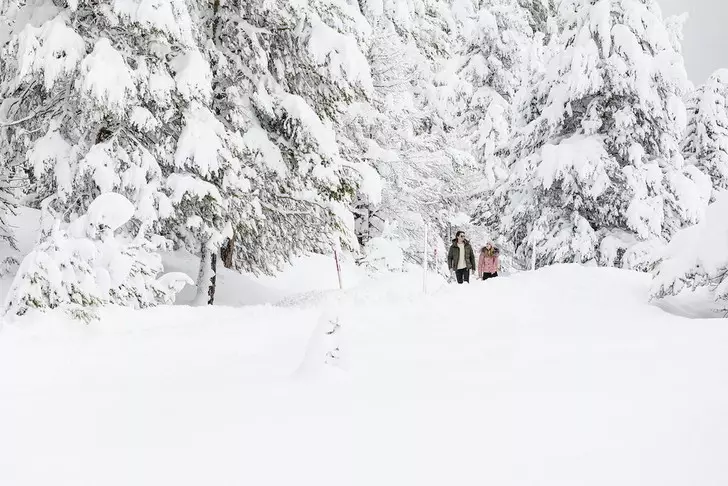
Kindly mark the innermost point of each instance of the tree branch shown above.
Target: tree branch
(4, 123)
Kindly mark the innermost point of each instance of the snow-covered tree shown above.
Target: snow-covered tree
(497, 49)
(697, 257)
(216, 119)
(706, 142)
(84, 265)
(539, 12)
(596, 170)
(116, 98)
(408, 131)
(284, 74)
(8, 248)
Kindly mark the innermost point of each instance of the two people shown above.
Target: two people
(461, 259)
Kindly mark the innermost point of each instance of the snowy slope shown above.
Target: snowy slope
(177, 396)
(569, 378)
(564, 376)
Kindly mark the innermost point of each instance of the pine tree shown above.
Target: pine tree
(115, 99)
(596, 172)
(706, 142)
(8, 206)
(697, 258)
(284, 75)
(497, 43)
(539, 13)
(217, 120)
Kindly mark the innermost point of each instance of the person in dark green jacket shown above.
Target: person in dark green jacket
(460, 258)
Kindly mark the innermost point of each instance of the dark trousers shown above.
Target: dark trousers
(463, 275)
(487, 275)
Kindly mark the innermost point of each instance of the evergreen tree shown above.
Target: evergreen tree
(596, 171)
(8, 206)
(497, 44)
(697, 258)
(115, 98)
(217, 120)
(706, 142)
(539, 12)
(284, 75)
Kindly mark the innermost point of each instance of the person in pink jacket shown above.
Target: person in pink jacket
(488, 263)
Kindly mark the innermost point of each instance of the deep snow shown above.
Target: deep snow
(561, 376)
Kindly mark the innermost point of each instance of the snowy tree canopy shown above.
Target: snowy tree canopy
(220, 122)
(539, 13)
(409, 129)
(706, 142)
(498, 42)
(596, 170)
(285, 72)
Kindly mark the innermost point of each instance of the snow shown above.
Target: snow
(341, 54)
(376, 152)
(564, 376)
(200, 145)
(154, 15)
(371, 183)
(160, 86)
(321, 133)
(706, 141)
(102, 163)
(584, 157)
(460, 219)
(310, 275)
(423, 389)
(107, 78)
(18, 16)
(78, 267)
(374, 8)
(124, 413)
(111, 210)
(697, 257)
(52, 154)
(188, 185)
(143, 119)
(256, 140)
(53, 49)
(193, 76)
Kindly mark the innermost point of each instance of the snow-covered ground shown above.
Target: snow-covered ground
(564, 376)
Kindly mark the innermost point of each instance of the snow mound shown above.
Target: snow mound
(111, 209)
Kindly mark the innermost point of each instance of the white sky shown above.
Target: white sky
(705, 47)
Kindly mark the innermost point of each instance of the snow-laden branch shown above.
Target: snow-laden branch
(286, 212)
(6, 123)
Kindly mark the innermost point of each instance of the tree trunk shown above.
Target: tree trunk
(227, 251)
(206, 279)
(216, 20)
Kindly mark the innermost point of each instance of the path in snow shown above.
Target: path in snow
(568, 378)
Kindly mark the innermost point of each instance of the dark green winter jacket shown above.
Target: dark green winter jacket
(453, 256)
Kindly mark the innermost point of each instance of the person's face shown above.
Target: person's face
(488, 246)
(461, 237)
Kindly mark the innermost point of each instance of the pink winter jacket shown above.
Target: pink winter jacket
(487, 264)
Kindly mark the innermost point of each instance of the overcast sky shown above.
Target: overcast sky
(706, 35)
